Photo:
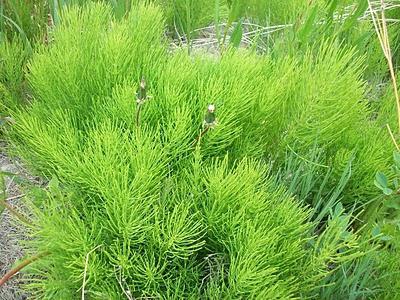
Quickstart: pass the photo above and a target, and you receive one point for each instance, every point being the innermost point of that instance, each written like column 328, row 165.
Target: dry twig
column 22, row 265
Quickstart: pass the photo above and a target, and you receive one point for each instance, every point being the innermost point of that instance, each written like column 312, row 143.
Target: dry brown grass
column 381, row 28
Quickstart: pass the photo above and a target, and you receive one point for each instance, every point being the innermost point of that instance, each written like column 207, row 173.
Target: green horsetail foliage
column 162, row 183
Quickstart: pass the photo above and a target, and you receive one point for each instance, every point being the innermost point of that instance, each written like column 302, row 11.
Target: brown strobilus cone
column 141, row 98
column 209, row 118
column 209, row 122
column 141, row 94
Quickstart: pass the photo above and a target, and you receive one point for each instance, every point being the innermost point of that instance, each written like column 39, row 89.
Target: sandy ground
column 10, row 231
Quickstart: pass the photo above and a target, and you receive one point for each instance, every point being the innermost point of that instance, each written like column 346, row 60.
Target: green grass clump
column 151, row 205
column 275, row 12
column 28, row 19
column 361, row 278
column 13, row 58
column 389, row 258
column 188, row 15
column 386, row 106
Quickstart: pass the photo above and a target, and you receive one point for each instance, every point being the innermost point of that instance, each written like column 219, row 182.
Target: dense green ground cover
column 149, row 198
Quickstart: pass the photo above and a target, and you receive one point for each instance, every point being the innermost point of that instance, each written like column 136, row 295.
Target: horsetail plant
column 209, row 122
column 176, row 223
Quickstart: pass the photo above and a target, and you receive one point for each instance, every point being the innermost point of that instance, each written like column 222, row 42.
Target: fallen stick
column 22, row 265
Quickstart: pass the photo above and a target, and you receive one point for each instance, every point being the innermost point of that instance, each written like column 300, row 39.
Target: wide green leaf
column 381, row 180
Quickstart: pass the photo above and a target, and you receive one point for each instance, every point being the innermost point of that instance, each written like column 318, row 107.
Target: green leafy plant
column 386, row 218
column 390, row 188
